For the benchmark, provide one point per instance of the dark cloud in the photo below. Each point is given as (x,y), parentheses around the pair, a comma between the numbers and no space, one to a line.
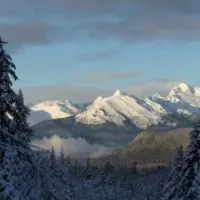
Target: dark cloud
(130,20)
(144,27)
(118,7)
(27,33)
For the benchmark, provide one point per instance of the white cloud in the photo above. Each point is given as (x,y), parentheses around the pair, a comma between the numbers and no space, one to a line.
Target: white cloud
(34,94)
(89,94)
(162,86)
(107,75)
(75,147)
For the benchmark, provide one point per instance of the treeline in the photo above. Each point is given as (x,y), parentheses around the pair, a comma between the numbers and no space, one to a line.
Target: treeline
(63,179)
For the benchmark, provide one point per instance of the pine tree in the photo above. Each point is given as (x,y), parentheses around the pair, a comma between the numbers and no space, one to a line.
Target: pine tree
(191,165)
(197,184)
(44,175)
(186,187)
(88,170)
(62,157)
(16,173)
(175,176)
(52,161)
(123,188)
(53,176)
(65,178)
(8,97)
(107,180)
(24,130)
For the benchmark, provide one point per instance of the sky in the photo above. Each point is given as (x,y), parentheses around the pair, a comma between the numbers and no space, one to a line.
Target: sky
(84,48)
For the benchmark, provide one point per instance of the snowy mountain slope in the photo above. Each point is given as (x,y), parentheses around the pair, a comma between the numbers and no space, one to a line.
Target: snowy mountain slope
(182,99)
(53,110)
(120,108)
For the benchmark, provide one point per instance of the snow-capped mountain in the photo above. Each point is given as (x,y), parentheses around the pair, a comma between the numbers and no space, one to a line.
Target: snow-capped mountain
(182,99)
(154,110)
(123,110)
(53,110)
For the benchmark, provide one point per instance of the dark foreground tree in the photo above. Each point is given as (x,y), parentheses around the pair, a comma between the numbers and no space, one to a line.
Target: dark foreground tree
(186,186)
(16,175)
(175,176)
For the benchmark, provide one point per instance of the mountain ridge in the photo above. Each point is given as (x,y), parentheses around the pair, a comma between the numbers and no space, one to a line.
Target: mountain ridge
(149,148)
(124,110)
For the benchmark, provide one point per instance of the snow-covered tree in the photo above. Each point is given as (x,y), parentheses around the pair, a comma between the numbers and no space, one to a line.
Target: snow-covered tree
(53,180)
(65,178)
(105,185)
(25,133)
(62,157)
(42,175)
(186,187)
(171,190)
(8,97)
(197,184)
(191,165)
(123,190)
(52,161)
(17,176)
(88,170)
(16,165)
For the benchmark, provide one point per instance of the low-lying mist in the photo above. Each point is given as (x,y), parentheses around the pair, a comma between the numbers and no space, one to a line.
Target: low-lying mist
(73,147)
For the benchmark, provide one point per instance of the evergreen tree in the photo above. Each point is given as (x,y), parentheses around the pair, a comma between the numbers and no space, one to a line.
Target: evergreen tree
(8,97)
(123,190)
(62,157)
(16,175)
(107,180)
(52,161)
(197,184)
(25,133)
(44,175)
(66,180)
(53,179)
(186,185)
(175,176)
(88,170)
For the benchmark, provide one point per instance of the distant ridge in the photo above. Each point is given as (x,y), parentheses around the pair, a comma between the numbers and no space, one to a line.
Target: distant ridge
(148,147)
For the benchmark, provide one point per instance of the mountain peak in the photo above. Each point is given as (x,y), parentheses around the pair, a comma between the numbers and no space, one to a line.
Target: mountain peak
(181,88)
(98,99)
(54,109)
(118,93)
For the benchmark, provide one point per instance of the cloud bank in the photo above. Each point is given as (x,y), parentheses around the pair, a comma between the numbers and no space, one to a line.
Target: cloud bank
(99,76)
(74,147)
(89,94)
(35,94)
(162,86)
(46,21)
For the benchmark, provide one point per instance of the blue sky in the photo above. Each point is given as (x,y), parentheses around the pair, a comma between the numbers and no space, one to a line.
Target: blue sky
(66,63)
(101,45)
